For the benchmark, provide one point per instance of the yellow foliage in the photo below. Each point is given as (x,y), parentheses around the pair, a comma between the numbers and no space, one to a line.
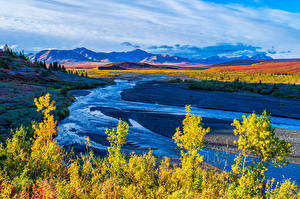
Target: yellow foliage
(117,139)
(285,190)
(140,173)
(257,138)
(37,168)
(192,137)
(47,156)
(43,104)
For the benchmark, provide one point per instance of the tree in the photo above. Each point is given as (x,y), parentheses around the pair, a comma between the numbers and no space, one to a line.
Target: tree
(44,64)
(55,66)
(6,48)
(64,68)
(257,139)
(47,156)
(50,66)
(191,140)
(192,137)
(117,139)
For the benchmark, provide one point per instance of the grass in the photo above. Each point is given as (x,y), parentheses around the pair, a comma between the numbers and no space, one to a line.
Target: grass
(277,84)
(269,78)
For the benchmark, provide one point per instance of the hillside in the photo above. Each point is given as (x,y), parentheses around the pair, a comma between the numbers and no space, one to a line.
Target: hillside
(132,65)
(21,80)
(264,67)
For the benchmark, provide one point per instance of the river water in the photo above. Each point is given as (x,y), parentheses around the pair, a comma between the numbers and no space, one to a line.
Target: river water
(85,121)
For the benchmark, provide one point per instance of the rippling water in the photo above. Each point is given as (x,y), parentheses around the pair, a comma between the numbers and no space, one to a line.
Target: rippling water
(83,122)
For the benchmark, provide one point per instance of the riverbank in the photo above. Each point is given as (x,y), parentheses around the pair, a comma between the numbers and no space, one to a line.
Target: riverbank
(17,93)
(221,136)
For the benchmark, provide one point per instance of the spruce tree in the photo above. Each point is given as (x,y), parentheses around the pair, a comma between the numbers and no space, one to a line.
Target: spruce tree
(50,66)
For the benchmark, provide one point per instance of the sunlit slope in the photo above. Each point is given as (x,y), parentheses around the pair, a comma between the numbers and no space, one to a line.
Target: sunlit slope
(271,67)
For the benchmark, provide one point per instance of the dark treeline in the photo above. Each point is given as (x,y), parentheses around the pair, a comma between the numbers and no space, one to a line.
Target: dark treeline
(9,52)
(79,73)
(55,66)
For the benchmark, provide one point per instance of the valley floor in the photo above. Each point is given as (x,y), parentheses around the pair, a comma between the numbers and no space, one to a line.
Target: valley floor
(221,136)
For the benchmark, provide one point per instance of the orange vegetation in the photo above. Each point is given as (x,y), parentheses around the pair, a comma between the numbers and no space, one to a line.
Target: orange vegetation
(91,65)
(84,65)
(271,67)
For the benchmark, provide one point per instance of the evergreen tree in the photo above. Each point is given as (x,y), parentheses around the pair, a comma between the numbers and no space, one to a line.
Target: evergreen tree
(6,48)
(63,68)
(55,66)
(44,64)
(50,66)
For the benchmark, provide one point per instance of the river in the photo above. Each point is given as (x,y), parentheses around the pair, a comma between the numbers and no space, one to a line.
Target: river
(84,120)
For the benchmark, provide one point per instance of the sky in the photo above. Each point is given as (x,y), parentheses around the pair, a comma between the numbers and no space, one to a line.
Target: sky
(187,28)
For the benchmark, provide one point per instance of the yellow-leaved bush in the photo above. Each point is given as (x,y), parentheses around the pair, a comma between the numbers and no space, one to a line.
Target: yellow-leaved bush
(46,155)
(257,140)
(191,139)
(33,165)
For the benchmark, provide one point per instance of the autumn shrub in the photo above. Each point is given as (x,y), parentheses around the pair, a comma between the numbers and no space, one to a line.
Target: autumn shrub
(258,143)
(46,155)
(191,139)
(257,139)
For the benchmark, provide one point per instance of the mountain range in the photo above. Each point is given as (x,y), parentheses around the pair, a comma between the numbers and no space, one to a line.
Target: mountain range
(85,55)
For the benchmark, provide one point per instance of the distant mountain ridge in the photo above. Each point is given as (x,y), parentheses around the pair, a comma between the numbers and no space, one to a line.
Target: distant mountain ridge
(85,55)
(223,59)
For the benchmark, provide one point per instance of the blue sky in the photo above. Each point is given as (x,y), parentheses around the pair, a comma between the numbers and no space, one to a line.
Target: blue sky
(287,5)
(189,28)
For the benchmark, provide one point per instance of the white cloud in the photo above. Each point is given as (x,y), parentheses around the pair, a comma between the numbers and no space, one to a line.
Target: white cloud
(15,46)
(103,25)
